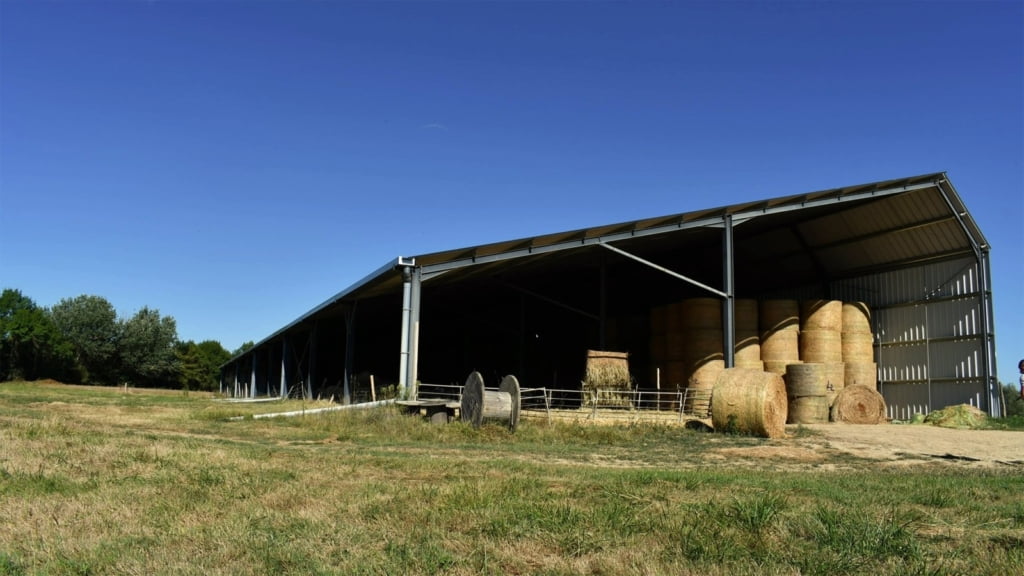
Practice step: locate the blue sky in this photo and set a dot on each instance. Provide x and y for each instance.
(233, 164)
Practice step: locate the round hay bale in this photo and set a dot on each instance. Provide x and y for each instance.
(748, 348)
(674, 376)
(775, 315)
(702, 376)
(659, 320)
(752, 364)
(701, 313)
(821, 315)
(746, 315)
(858, 346)
(856, 318)
(656, 348)
(780, 346)
(703, 342)
(805, 380)
(750, 402)
(808, 410)
(675, 345)
(835, 376)
(860, 374)
(858, 405)
(778, 366)
(821, 346)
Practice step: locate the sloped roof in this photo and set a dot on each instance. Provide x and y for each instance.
(816, 236)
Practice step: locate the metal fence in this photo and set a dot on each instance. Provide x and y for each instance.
(633, 405)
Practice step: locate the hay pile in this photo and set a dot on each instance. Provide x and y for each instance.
(959, 416)
(858, 405)
(607, 376)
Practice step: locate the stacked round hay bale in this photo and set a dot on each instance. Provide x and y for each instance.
(701, 326)
(749, 401)
(806, 388)
(779, 323)
(821, 341)
(748, 342)
(857, 344)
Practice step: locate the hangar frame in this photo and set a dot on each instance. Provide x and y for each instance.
(907, 247)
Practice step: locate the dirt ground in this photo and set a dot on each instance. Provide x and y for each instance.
(907, 444)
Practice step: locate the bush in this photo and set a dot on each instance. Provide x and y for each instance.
(1014, 402)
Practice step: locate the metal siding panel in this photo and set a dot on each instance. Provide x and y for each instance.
(927, 320)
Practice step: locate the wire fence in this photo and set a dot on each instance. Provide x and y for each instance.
(633, 404)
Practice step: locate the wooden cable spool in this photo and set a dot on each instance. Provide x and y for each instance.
(479, 403)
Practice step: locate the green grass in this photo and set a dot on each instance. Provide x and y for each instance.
(95, 481)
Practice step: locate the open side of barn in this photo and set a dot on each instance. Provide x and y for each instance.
(908, 249)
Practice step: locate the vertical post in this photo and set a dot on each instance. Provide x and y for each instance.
(220, 383)
(603, 321)
(234, 370)
(403, 355)
(995, 403)
(729, 306)
(927, 358)
(522, 336)
(414, 331)
(311, 373)
(252, 379)
(350, 331)
(284, 356)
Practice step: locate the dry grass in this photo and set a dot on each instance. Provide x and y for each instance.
(93, 481)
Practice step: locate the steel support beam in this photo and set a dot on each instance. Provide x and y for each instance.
(311, 371)
(252, 380)
(415, 288)
(729, 303)
(350, 332)
(603, 306)
(283, 392)
(665, 270)
(993, 394)
(404, 345)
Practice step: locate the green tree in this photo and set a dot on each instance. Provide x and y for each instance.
(199, 364)
(31, 347)
(147, 349)
(90, 324)
(245, 347)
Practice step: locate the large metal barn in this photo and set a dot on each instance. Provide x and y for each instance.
(533, 307)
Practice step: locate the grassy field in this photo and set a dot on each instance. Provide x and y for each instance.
(99, 481)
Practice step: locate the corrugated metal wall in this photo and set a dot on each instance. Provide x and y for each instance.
(929, 335)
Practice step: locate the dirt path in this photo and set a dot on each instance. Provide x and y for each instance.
(910, 443)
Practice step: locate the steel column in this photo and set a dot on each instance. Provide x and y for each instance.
(603, 306)
(729, 305)
(995, 407)
(414, 331)
(311, 371)
(350, 331)
(252, 380)
(284, 379)
(403, 355)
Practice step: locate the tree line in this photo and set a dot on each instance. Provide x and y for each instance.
(82, 340)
